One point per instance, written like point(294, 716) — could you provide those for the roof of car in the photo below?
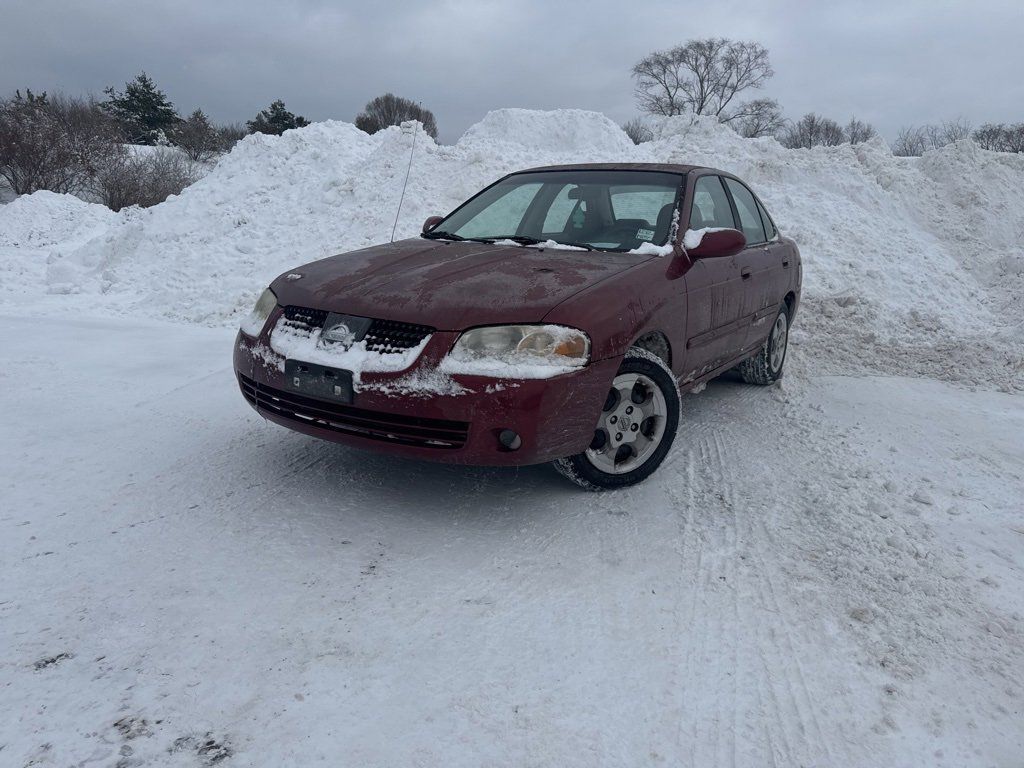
point(662, 167)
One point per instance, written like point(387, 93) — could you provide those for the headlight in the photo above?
point(255, 320)
point(518, 350)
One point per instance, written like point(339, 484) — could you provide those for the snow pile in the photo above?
point(526, 131)
point(911, 264)
point(42, 226)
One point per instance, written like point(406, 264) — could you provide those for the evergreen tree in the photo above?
point(275, 120)
point(143, 109)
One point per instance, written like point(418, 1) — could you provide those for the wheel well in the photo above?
point(656, 343)
point(790, 298)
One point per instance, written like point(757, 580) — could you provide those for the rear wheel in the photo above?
point(766, 366)
point(635, 428)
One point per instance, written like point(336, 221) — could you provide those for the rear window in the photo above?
point(746, 208)
point(769, 227)
point(710, 205)
point(637, 202)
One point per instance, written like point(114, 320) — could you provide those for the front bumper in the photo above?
point(419, 414)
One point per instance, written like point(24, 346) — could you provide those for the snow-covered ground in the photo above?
point(829, 572)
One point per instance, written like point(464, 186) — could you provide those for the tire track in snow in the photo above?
point(712, 629)
point(730, 624)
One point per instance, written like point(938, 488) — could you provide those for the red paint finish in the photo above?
point(701, 308)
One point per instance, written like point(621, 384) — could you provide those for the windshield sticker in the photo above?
point(645, 234)
point(578, 217)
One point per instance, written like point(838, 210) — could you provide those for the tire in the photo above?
point(644, 385)
point(766, 366)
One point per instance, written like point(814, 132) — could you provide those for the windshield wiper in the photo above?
point(529, 240)
point(435, 235)
point(584, 246)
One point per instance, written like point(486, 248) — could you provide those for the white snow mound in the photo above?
point(910, 264)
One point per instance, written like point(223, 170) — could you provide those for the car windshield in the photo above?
point(593, 209)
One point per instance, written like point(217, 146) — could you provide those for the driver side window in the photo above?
point(504, 215)
point(557, 218)
point(710, 205)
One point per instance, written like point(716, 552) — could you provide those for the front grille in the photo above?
point(383, 336)
point(392, 336)
point(347, 419)
point(314, 318)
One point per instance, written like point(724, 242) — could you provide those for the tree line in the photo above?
point(90, 147)
point(712, 77)
point(84, 146)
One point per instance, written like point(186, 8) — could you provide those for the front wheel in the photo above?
point(635, 429)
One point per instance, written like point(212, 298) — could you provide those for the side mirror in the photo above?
point(713, 243)
point(431, 222)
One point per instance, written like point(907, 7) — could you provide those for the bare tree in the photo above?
point(912, 141)
point(53, 143)
point(812, 130)
point(196, 137)
point(947, 132)
point(857, 131)
point(1014, 141)
point(389, 109)
point(230, 134)
point(702, 77)
point(999, 137)
point(143, 178)
point(990, 136)
point(760, 117)
point(638, 131)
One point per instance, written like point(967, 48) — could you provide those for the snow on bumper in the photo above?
point(424, 412)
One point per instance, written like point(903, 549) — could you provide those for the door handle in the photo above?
point(745, 273)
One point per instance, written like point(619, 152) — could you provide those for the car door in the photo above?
point(714, 287)
point(781, 258)
point(759, 265)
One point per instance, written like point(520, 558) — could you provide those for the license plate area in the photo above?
point(318, 381)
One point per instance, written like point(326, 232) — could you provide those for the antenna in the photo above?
point(415, 130)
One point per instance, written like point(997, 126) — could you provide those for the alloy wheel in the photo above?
point(631, 425)
point(779, 340)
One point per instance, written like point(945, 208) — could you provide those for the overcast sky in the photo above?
point(891, 63)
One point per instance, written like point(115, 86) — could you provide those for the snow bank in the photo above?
point(906, 259)
point(40, 227)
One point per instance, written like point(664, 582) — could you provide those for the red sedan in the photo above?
point(554, 316)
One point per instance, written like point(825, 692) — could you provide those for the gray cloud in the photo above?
point(891, 63)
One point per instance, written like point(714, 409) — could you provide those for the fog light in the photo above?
point(509, 439)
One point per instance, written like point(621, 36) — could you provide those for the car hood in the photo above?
point(450, 286)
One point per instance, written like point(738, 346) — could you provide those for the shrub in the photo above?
point(131, 177)
point(915, 140)
point(389, 109)
point(813, 130)
point(53, 143)
point(638, 131)
point(229, 135)
point(760, 117)
point(1000, 137)
point(196, 137)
